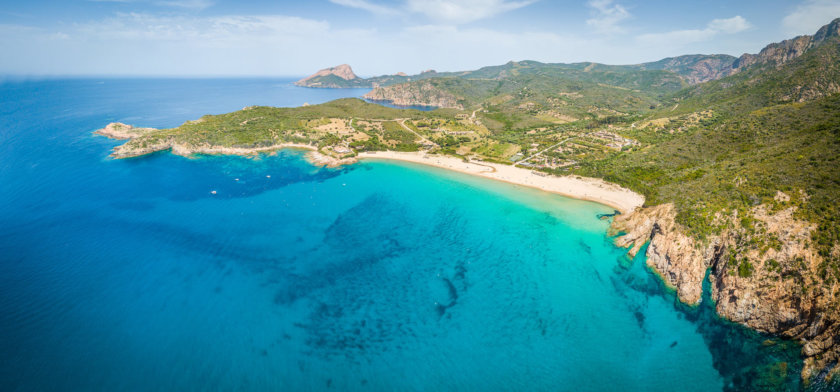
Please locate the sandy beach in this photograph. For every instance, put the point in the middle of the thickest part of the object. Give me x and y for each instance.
(592, 189)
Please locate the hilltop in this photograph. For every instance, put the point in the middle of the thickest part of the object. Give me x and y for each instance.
(342, 76)
(333, 77)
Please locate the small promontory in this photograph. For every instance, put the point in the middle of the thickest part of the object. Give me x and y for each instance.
(120, 131)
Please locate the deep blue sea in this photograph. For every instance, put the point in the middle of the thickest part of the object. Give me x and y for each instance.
(130, 275)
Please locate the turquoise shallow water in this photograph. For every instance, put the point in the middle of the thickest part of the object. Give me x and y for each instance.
(131, 275)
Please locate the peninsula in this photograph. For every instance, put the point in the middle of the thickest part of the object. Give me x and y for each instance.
(724, 166)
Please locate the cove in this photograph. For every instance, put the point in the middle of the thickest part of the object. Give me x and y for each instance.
(134, 275)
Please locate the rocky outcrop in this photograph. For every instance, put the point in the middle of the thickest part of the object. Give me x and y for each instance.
(342, 76)
(776, 53)
(783, 52)
(766, 278)
(778, 289)
(120, 131)
(317, 159)
(415, 94)
(342, 71)
(137, 147)
(671, 254)
(696, 68)
(329, 77)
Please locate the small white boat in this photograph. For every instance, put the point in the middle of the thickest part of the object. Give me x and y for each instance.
(213, 192)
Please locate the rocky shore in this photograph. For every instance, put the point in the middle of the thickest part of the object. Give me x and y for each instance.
(135, 148)
(763, 289)
(415, 94)
(120, 131)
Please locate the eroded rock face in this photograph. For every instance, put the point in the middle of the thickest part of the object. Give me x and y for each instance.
(779, 53)
(781, 292)
(695, 69)
(782, 52)
(415, 94)
(773, 288)
(117, 130)
(708, 69)
(699, 68)
(767, 295)
(673, 255)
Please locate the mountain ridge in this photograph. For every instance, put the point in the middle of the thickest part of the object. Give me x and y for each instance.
(693, 68)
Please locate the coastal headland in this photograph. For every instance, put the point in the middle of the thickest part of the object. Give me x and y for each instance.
(592, 189)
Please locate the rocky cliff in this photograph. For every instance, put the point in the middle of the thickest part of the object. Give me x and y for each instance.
(329, 77)
(415, 94)
(782, 52)
(671, 254)
(779, 290)
(696, 68)
(767, 278)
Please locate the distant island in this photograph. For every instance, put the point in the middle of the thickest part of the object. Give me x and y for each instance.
(342, 76)
(720, 164)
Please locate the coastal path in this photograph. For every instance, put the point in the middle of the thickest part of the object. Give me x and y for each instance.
(423, 139)
(542, 151)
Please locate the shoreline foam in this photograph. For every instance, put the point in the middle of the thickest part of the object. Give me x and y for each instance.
(583, 188)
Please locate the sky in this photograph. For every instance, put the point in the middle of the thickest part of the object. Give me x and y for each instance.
(201, 38)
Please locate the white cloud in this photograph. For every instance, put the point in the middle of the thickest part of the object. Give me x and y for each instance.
(678, 38)
(367, 6)
(441, 11)
(147, 44)
(463, 11)
(810, 15)
(186, 4)
(735, 24)
(189, 45)
(206, 31)
(607, 16)
(196, 5)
